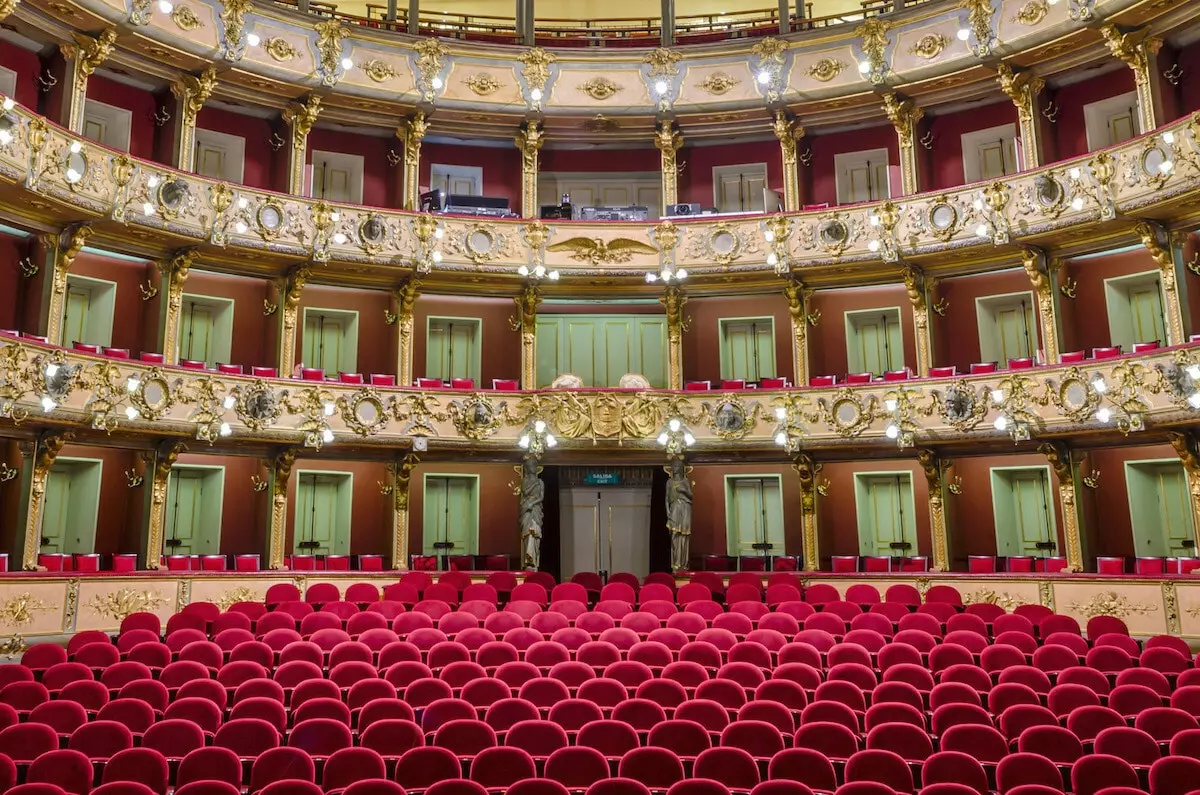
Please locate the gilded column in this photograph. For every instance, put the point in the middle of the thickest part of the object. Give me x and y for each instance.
(797, 298)
(935, 476)
(806, 471)
(529, 141)
(1023, 89)
(406, 299)
(401, 473)
(914, 285)
(1139, 51)
(669, 139)
(156, 517)
(1153, 238)
(1042, 279)
(281, 471)
(82, 59)
(904, 115)
(46, 452)
(674, 300)
(300, 118)
(526, 323)
(293, 287)
(175, 273)
(1185, 444)
(1066, 470)
(411, 134)
(787, 131)
(68, 246)
(191, 92)
(7, 7)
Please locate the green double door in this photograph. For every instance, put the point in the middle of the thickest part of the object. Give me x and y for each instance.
(602, 348)
(1023, 506)
(451, 516)
(754, 515)
(1160, 509)
(886, 514)
(322, 524)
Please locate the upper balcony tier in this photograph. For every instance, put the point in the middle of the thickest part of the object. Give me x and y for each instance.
(266, 55)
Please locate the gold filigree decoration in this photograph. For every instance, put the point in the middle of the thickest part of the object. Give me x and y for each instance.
(1032, 12)
(602, 252)
(378, 70)
(826, 69)
(483, 84)
(717, 83)
(663, 62)
(19, 610)
(185, 18)
(1111, 603)
(476, 417)
(987, 596)
(536, 67)
(119, 604)
(280, 49)
(242, 593)
(930, 46)
(600, 123)
(599, 88)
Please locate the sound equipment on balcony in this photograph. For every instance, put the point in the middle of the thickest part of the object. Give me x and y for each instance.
(628, 213)
(555, 212)
(432, 201)
(491, 206)
(683, 208)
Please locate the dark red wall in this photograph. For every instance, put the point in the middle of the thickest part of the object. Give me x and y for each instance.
(837, 517)
(501, 352)
(376, 339)
(702, 342)
(708, 517)
(254, 333)
(1085, 319)
(497, 506)
(501, 167)
(370, 511)
(696, 181)
(27, 66)
(379, 185)
(599, 160)
(257, 132)
(827, 340)
(1189, 83)
(942, 167)
(1070, 132)
(130, 329)
(142, 129)
(119, 523)
(822, 174)
(956, 334)
(15, 290)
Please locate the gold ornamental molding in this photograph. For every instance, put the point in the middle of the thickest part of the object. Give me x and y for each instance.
(185, 18)
(991, 596)
(483, 84)
(122, 602)
(826, 69)
(602, 252)
(280, 49)
(717, 83)
(379, 71)
(19, 611)
(1111, 603)
(663, 62)
(930, 46)
(1032, 12)
(599, 88)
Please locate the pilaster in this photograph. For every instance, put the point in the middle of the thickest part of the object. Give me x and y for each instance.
(526, 323)
(174, 276)
(668, 139)
(1138, 50)
(401, 473)
(293, 287)
(1066, 469)
(806, 472)
(81, 60)
(66, 249)
(935, 476)
(1041, 278)
(1185, 444)
(797, 299)
(162, 461)
(1023, 89)
(787, 131)
(914, 285)
(904, 115)
(281, 471)
(411, 133)
(1154, 238)
(44, 455)
(529, 141)
(300, 118)
(406, 300)
(190, 92)
(674, 300)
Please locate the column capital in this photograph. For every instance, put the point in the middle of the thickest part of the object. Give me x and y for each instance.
(1135, 48)
(903, 114)
(193, 91)
(88, 53)
(668, 137)
(301, 116)
(1020, 87)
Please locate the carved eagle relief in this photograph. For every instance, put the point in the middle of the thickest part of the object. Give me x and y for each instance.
(602, 252)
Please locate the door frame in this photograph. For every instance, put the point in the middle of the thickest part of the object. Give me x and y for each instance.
(345, 517)
(860, 490)
(1052, 515)
(209, 514)
(731, 545)
(749, 170)
(349, 333)
(104, 293)
(852, 333)
(224, 309)
(475, 368)
(96, 489)
(1133, 519)
(472, 543)
(723, 343)
(985, 311)
(1120, 318)
(451, 172)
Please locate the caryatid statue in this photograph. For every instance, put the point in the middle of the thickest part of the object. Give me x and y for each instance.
(679, 513)
(530, 511)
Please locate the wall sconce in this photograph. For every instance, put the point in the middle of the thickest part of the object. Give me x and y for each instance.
(148, 290)
(813, 317)
(926, 140)
(161, 116)
(536, 439)
(7, 473)
(954, 486)
(385, 488)
(257, 483)
(1069, 288)
(276, 141)
(269, 308)
(901, 428)
(941, 306)
(1126, 407)
(1174, 75)
(1051, 112)
(429, 232)
(134, 479)
(823, 487)
(806, 157)
(389, 318)
(676, 437)
(47, 81)
(789, 432)
(29, 268)
(1010, 419)
(1092, 481)
(393, 158)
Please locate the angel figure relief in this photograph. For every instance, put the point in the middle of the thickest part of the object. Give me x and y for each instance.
(603, 252)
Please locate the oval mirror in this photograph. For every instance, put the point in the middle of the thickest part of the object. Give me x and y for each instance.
(943, 216)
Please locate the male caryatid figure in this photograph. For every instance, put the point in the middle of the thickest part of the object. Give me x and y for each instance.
(533, 493)
(679, 514)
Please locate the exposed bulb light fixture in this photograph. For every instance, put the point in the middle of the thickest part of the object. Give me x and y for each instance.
(339, 238)
(131, 412)
(327, 436)
(9, 104)
(253, 39)
(152, 182)
(76, 147)
(240, 227)
(437, 83)
(1077, 203)
(864, 67)
(132, 384)
(997, 396)
(225, 430)
(1104, 414)
(661, 87)
(347, 63)
(764, 77)
(166, 6)
(147, 208)
(963, 34)
(1099, 384)
(243, 203)
(229, 402)
(48, 404)
(1001, 423)
(73, 176)
(51, 370)
(536, 95)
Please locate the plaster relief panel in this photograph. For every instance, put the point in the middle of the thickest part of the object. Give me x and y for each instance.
(706, 85)
(613, 88)
(1019, 19)
(929, 45)
(1140, 606)
(192, 21)
(380, 70)
(816, 71)
(490, 84)
(284, 49)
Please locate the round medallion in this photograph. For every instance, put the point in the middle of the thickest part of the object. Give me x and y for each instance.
(173, 193)
(75, 165)
(834, 233)
(724, 242)
(1049, 190)
(943, 216)
(1154, 159)
(270, 217)
(481, 242)
(373, 230)
(153, 397)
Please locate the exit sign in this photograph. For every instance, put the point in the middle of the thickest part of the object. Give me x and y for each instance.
(602, 479)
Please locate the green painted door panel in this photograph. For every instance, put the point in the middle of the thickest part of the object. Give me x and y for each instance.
(184, 520)
(451, 515)
(318, 519)
(452, 350)
(885, 514)
(600, 349)
(196, 335)
(754, 504)
(56, 511)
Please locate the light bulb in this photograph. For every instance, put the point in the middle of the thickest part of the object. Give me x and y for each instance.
(243, 203)
(335, 216)
(550, 440)
(772, 258)
(539, 426)
(329, 409)
(1193, 371)
(439, 232)
(51, 370)
(780, 413)
(523, 442)
(552, 276)
(963, 34)
(339, 238)
(661, 87)
(165, 6)
(75, 147)
(5, 137)
(132, 384)
(665, 275)
(327, 436)
(764, 77)
(1001, 423)
(253, 40)
(240, 227)
(864, 67)
(1074, 172)
(131, 412)
(152, 182)
(997, 396)
(873, 245)
(891, 431)
(523, 271)
(229, 402)
(437, 256)
(977, 204)
(769, 236)
(781, 438)
(662, 438)
(536, 95)
(147, 208)
(1077, 203)
(1104, 414)
(9, 104)
(539, 271)
(874, 220)
(347, 63)
(681, 274)
(48, 404)
(688, 439)
(1194, 400)
(1099, 384)
(1165, 167)
(1168, 137)
(437, 83)
(72, 175)
(890, 404)
(651, 278)
(225, 430)
(981, 230)
(674, 425)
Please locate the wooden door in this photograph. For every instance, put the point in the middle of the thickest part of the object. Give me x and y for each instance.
(755, 515)
(196, 333)
(451, 516)
(1160, 508)
(1145, 307)
(210, 161)
(324, 338)
(318, 518)
(885, 515)
(56, 511)
(75, 314)
(185, 522)
(879, 344)
(605, 529)
(331, 182)
(451, 352)
(1024, 512)
(1012, 327)
(749, 349)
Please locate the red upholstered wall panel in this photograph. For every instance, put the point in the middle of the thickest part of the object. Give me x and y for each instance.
(501, 167)
(821, 174)
(956, 334)
(142, 130)
(942, 167)
(696, 182)
(827, 340)
(257, 172)
(27, 66)
(1070, 131)
(1085, 319)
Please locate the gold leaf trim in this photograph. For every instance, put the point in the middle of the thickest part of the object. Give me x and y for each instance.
(717, 83)
(119, 604)
(600, 123)
(1111, 603)
(599, 88)
(601, 252)
(379, 71)
(18, 611)
(185, 18)
(280, 49)
(987, 596)
(930, 46)
(826, 69)
(483, 84)
(1032, 12)
(242, 593)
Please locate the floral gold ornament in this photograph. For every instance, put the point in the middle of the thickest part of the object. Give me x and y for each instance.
(873, 32)
(330, 64)
(1111, 603)
(826, 69)
(430, 53)
(483, 84)
(20, 610)
(599, 88)
(242, 593)
(930, 46)
(185, 18)
(536, 68)
(988, 596)
(717, 83)
(1032, 12)
(280, 49)
(121, 603)
(600, 123)
(663, 62)
(603, 252)
(379, 70)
